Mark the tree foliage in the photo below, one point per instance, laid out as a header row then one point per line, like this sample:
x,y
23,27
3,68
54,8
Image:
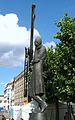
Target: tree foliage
x,y
59,66
66,54
49,73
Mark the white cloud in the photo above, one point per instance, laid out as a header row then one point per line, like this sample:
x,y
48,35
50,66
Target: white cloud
x,y
13,39
49,44
2,84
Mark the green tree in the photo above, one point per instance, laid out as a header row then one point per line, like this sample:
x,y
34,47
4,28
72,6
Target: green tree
x,y
49,74
59,65
66,58
50,81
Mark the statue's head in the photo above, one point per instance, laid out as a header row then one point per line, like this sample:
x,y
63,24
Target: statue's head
x,y
38,42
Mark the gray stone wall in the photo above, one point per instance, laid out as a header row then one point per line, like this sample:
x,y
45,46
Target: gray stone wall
x,y
51,111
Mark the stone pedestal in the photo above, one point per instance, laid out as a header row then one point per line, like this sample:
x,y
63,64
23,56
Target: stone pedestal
x,y
38,116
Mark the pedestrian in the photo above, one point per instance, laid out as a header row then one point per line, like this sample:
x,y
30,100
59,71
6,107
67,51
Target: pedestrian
x,y
21,119
66,116
72,117
3,118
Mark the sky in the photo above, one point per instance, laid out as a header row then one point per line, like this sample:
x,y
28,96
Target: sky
x,y
15,23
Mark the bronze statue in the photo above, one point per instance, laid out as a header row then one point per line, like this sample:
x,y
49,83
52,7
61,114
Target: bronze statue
x,y
37,88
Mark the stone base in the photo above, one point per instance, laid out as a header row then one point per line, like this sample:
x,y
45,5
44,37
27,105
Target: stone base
x,y
38,116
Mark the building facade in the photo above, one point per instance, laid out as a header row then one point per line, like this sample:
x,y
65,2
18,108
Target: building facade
x,y
19,89
9,95
1,101
14,92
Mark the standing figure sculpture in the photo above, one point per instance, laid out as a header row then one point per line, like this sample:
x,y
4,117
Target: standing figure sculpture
x,y
37,88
